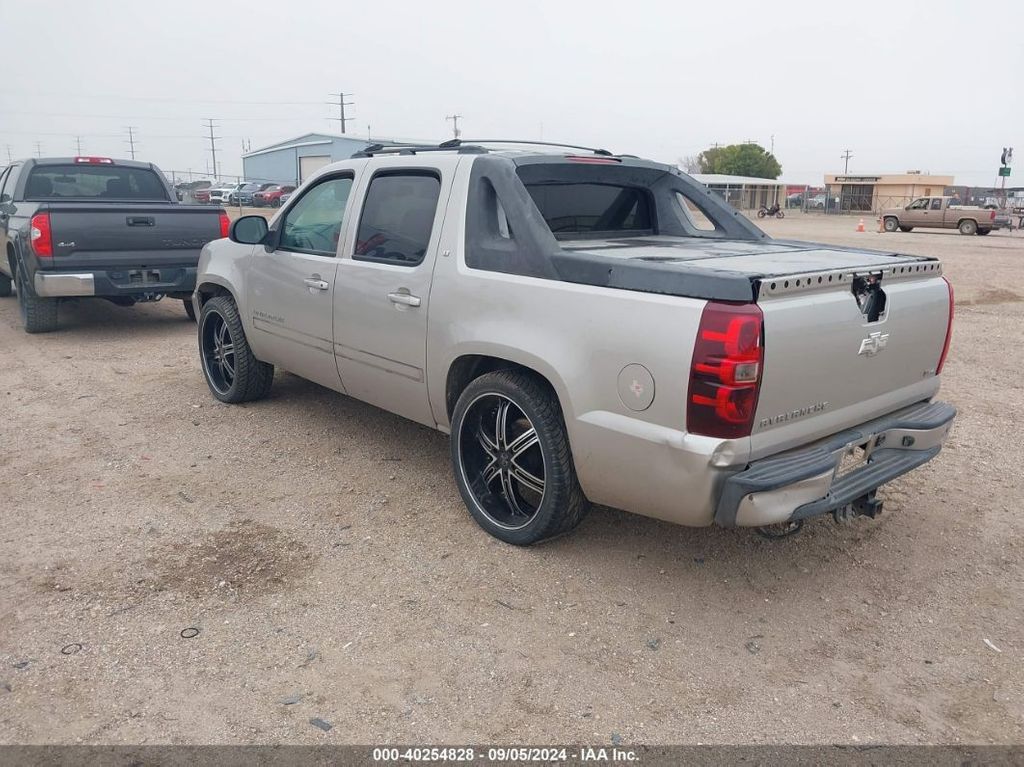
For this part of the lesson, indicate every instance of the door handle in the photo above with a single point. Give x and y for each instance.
(406, 299)
(315, 283)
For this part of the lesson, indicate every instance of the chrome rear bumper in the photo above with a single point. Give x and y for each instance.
(59, 285)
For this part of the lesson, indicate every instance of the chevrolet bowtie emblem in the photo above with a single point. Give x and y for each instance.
(874, 343)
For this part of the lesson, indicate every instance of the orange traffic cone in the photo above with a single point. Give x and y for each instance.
(860, 225)
(881, 225)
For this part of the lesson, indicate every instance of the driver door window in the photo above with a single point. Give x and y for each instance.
(313, 224)
(921, 204)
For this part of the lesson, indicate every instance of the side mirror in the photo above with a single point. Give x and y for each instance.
(248, 230)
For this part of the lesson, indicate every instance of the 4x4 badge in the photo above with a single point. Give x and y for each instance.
(874, 343)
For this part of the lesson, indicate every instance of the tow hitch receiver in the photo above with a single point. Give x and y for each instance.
(865, 506)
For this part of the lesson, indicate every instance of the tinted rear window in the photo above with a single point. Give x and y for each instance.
(573, 208)
(54, 182)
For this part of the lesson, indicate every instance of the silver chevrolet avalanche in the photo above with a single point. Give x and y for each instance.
(588, 328)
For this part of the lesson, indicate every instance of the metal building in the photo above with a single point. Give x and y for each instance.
(295, 160)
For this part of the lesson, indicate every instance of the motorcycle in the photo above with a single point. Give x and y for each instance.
(774, 211)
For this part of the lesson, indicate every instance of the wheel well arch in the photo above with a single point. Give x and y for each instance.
(467, 368)
(961, 220)
(208, 290)
(10, 257)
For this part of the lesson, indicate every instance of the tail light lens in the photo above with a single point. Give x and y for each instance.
(225, 224)
(992, 216)
(949, 330)
(725, 375)
(41, 236)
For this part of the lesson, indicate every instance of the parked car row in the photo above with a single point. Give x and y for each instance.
(259, 194)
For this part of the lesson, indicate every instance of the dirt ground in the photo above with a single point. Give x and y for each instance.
(322, 551)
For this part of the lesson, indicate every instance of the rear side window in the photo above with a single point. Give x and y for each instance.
(937, 203)
(398, 218)
(54, 182)
(577, 208)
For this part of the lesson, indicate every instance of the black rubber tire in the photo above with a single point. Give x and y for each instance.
(561, 509)
(252, 379)
(38, 315)
(980, 231)
(190, 310)
(906, 228)
(780, 214)
(762, 213)
(5, 286)
(890, 224)
(276, 203)
(968, 226)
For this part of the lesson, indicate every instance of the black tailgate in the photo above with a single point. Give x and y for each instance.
(87, 235)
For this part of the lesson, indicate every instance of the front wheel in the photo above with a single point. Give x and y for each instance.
(762, 213)
(512, 461)
(231, 371)
(780, 214)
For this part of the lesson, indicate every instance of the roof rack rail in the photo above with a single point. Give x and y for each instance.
(411, 149)
(453, 143)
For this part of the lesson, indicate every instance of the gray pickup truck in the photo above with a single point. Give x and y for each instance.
(588, 328)
(73, 227)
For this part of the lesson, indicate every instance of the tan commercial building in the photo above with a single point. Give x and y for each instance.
(872, 193)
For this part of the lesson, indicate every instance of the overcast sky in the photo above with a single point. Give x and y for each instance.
(933, 86)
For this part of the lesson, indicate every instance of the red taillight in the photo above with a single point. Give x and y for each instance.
(949, 330)
(725, 375)
(225, 224)
(992, 216)
(40, 235)
(95, 160)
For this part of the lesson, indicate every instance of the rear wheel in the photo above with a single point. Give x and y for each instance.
(231, 371)
(890, 224)
(780, 214)
(38, 315)
(968, 226)
(5, 286)
(512, 462)
(762, 213)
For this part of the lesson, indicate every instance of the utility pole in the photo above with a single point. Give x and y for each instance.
(78, 143)
(39, 149)
(341, 118)
(9, 158)
(131, 140)
(455, 124)
(773, 144)
(846, 155)
(213, 143)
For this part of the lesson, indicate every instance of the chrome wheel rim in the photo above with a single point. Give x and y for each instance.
(502, 461)
(218, 352)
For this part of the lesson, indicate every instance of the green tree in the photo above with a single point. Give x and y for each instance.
(740, 160)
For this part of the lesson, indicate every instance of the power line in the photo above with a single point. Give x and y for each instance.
(341, 109)
(455, 124)
(846, 155)
(213, 143)
(131, 140)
